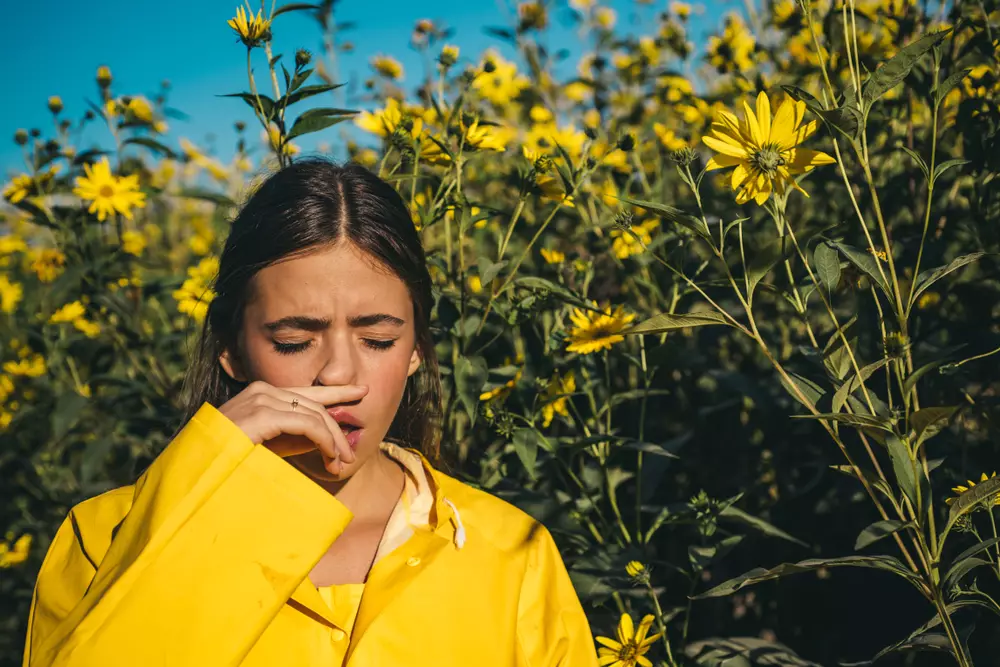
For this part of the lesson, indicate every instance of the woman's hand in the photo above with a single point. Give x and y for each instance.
(265, 413)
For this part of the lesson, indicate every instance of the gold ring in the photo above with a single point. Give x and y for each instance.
(295, 403)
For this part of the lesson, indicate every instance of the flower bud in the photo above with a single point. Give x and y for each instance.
(302, 58)
(21, 137)
(55, 104)
(103, 76)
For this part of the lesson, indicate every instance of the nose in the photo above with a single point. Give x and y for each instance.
(341, 365)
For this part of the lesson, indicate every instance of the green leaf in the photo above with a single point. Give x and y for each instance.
(919, 160)
(945, 86)
(526, 446)
(892, 73)
(733, 513)
(672, 214)
(845, 119)
(306, 92)
(69, 406)
(309, 124)
(298, 80)
(864, 261)
(759, 574)
(827, 263)
(928, 422)
(763, 259)
(488, 270)
(857, 421)
(470, 376)
(151, 144)
(903, 466)
(703, 556)
(206, 195)
(980, 493)
(809, 389)
(854, 383)
(743, 652)
(877, 531)
(266, 103)
(667, 322)
(931, 276)
(961, 566)
(946, 165)
(293, 7)
(536, 283)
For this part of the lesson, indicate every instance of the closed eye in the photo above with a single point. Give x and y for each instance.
(378, 343)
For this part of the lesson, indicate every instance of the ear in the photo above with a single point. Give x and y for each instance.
(415, 360)
(232, 366)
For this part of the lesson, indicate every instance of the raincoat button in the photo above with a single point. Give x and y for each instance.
(338, 635)
(413, 561)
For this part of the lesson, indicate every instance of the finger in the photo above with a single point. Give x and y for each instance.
(329, 396)
(280, 419)
(342, 449)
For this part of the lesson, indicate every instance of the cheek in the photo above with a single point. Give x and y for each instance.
(280, 370)
(385, 375)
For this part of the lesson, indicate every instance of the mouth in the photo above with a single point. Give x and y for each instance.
(349, 424)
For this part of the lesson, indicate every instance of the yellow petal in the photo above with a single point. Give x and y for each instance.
(804, 159)
(626, 629)
(740, 175)
(610, 643)
(764, 116)
(643, 660)
(725, 148)
(609, 659)
(722, 162)
(751, 121)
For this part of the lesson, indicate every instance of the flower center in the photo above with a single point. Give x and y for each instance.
(106, 191)
(767, 159)
(628, 652)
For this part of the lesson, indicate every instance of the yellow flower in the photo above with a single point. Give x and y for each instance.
(449, 55)
(32, 365)
(487, 137)
(47, 264)
(24, 185)
(5, 419)
(16, 554)
(928, 300)
(384, 122)
(635, 568)
(764, 150)
(681, 9)
(84, 390)
(251, 29)
(88, 328)
(677, 87)
(597, 330)
(631, 646)
(626, 245)
(55, 104)
(605, 17)
(68, 313)
(109, 193)
(104, 76)
(11, 294)
(141, 109)
(12, 243)
(195, 294)
(668, 137)
(388, 67)
(960, 489)
(499, 81)
(556, 396)
(211, 165)
(532, 15)
(733, 50)
(272, 137)
(503, 390)
(551, 188)
(576, 91)
(6, 388)
(133, 242)
(552, 256)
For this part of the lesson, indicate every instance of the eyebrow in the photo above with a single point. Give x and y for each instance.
(308, 323)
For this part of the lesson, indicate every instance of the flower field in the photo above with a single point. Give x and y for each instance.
(725, 316)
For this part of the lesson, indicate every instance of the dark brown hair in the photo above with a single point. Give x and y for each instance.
(311, 204)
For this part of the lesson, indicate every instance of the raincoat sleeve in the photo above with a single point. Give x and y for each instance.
(219, 534)
(552, 628)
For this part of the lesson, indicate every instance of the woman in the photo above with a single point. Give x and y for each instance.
(285, 524)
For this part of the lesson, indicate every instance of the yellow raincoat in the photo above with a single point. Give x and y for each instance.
(205, 561)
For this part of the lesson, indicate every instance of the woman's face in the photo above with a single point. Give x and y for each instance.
(332, 317)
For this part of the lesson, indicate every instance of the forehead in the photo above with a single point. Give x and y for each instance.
(337, 281)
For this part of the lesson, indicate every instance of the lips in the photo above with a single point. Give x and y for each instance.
(349, 424)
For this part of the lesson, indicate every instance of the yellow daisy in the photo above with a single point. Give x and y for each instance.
(553, 256)
(969, 485)
(251, 29)
(23, 186)
(388, 67)
(47, 263)
(68, 313)
(594, 331)
(109, 193)
(631, 646)
(763, 149)
(625, 244)
(11, 555)
(11, 294)
(499, 81)
(556, 395)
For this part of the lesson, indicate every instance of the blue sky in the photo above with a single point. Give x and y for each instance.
(59, 45)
